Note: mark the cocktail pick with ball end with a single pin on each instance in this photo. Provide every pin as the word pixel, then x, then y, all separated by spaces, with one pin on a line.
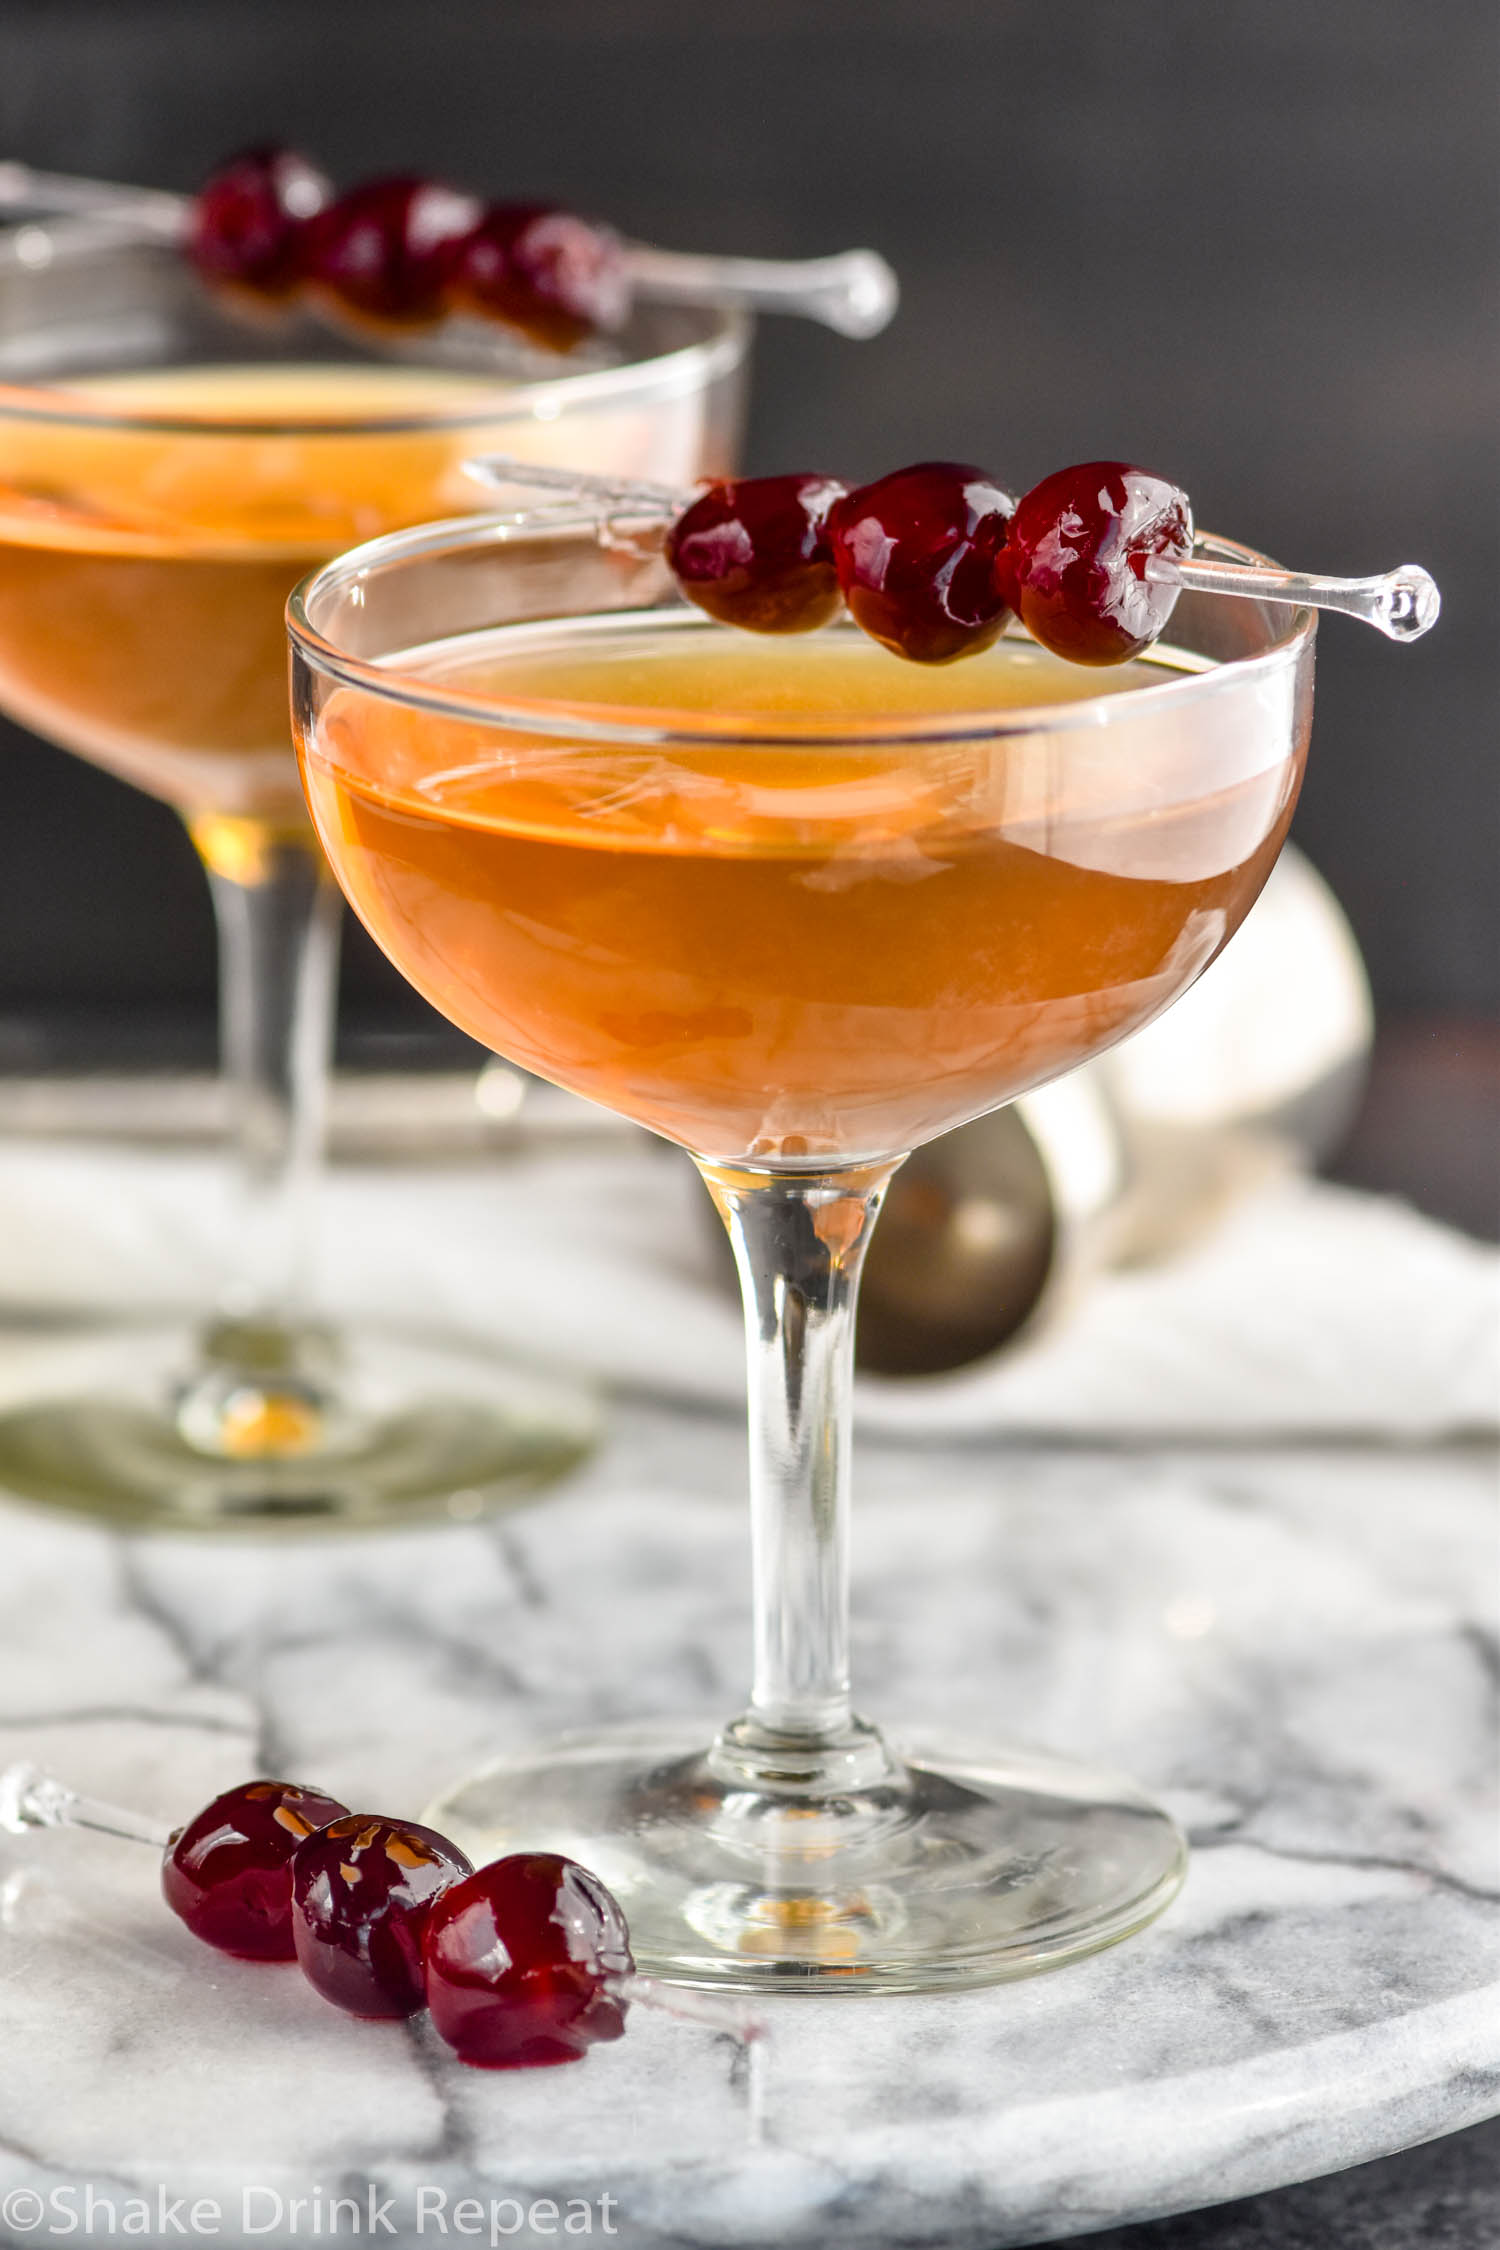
pixel 524 1961
pixel 1092 560
pixel 387 246
pixel 1403 603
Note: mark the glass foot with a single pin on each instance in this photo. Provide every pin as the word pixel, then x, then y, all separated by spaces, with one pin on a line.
pixel 273 1429
pixel 949 1867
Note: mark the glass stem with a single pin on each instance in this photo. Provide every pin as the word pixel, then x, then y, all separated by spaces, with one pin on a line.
pixel 799 1242
pixel 278 915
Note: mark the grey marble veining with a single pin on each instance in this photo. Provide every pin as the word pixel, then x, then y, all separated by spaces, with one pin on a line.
pixel 1295 1647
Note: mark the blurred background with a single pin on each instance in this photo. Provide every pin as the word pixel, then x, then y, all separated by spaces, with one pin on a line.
pixel 1252 245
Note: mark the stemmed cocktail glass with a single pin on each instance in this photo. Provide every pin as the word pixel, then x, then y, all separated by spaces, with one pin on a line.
pixel 800 907
pixel 168 469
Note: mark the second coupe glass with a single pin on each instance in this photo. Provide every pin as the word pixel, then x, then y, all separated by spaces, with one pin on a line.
pixel 167 470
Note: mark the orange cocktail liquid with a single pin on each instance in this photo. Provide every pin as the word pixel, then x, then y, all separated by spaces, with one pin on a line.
pixel 791 952
pixel 144 571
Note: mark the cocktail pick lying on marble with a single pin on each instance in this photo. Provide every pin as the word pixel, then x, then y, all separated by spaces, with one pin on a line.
pixel 933 560
pixel 30 1798
pixel 522 1962
pixel 403 250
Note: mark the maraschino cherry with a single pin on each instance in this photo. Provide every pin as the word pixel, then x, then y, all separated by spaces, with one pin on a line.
pixel 362 1890
pixel 522 1962
pixel 755 552
pixel 385 251
pixel 525 1962
pixel 932 559
pixel 915 553
pixel 228 1873
pixel 248 220
pixel 554 276
pixel 1076 566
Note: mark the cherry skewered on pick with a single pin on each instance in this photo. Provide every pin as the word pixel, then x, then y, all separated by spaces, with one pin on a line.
pixel 405 251
pixel 932 560
pixel 248 222
pixel 755 552
pixel 362 1891
pixel 227 1873
pixel 526 1962
pixel 519 1963
pixel 556 277
pixel 915 553
pixel 386 250
pixel 523 1959
pixel 1077 564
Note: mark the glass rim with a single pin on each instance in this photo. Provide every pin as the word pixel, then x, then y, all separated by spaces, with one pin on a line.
pixel 582 720
pixel 680 367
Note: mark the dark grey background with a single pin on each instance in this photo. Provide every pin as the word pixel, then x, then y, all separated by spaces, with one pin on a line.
pixel 1251 243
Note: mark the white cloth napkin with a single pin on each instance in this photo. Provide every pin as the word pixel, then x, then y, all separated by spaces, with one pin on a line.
pixel 1312 1309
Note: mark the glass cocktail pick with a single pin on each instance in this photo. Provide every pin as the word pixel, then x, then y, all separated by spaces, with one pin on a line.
pixel 32 1798
pixel 853 292
pixel 1403 603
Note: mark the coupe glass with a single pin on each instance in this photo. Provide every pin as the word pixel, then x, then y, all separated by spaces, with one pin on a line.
pixel 168 469
pixel 800 908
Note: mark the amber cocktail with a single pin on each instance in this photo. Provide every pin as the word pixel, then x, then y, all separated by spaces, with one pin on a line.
pixel 800 906
pixel 804 951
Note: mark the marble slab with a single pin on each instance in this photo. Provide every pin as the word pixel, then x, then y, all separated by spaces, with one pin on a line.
pixel 1295 1646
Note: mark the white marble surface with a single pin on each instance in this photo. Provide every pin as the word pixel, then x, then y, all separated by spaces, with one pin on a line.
pixel 1295 1646
pixel 1308 1308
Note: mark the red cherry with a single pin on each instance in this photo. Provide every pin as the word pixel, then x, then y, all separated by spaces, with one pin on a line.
pixel 228 1873
pixel 1077 557
pixel 249 219
pixel 362 1889
pixel 916 555
pixel 555 276
pixel 519 1962
pixel 755 552
pixel 384 250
